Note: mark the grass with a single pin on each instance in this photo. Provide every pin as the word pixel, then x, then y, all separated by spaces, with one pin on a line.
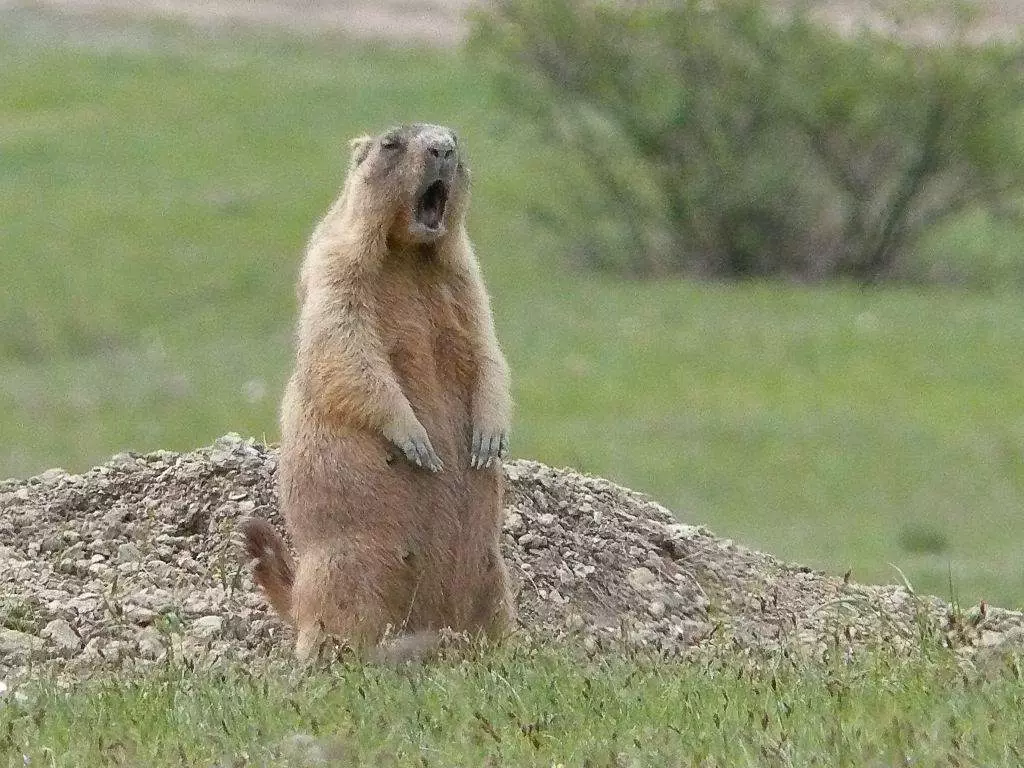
pixel 533 707
pixel 156 188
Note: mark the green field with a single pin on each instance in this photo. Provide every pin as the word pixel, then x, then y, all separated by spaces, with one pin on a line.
pixel 539 708
pixel 156 189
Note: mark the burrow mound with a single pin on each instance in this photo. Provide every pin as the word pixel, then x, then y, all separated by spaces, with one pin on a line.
pixel 136 562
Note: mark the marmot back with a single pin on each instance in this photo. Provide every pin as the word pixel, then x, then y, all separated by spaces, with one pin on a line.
pixel 397 414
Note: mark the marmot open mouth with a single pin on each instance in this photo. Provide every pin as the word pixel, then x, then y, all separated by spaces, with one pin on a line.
pixel 430 207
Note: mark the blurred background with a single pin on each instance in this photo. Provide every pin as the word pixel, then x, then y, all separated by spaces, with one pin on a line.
pixel 761 260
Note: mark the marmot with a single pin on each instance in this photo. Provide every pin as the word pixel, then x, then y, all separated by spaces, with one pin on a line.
pixel 397 414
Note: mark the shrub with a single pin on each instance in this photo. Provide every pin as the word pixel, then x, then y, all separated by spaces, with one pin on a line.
pixel 729 139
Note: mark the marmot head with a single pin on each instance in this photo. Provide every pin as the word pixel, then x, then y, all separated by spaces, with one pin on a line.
pixel 413 179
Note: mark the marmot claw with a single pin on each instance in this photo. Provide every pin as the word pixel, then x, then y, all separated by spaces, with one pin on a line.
pixel 487 447
pixel 421 453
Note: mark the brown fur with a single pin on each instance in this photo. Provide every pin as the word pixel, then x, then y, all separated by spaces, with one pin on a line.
pixel 398 372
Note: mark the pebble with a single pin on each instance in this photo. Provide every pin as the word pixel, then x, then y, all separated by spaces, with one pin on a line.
pixel 531 540
pixel 51 476
pixel 152 645
pixel 207 627
pixel 18 645
pixel 641 578
pixel 140 615
pixel 92 649
pixel 51 544
pixel 514 523
pixel 547 520
pixel 128 553
pixel 63 637
pixel 990 639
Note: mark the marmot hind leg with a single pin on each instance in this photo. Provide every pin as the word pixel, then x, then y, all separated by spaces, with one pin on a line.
pixel 493 613
pixel 354 597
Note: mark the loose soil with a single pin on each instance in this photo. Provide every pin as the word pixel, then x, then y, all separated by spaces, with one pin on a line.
pixel 137 563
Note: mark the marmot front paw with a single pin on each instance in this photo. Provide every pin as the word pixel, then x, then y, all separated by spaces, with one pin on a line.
pixel 488 444
pixel 417 448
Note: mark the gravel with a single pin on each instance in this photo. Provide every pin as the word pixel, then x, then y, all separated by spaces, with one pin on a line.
pixel 136 563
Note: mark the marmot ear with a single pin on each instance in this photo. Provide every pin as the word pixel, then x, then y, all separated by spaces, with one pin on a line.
pixel 360 149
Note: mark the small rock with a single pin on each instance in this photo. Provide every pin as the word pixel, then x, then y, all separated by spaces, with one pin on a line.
pixel 140 615
pixel 115 517
pixel 691 632
pixel 51 476
pixel 76 551
pixel 19 645
pixel 681 531
pixel 641 578
pixel 158 569
pixel 1014 636
pixel 113 650
pixel 151 645
pixel 514 522
pixel 51 544
pixel 93 649
pixel 991 639
pixel 100 570
pixel 229 441
pixel 129 553
pixel 207 627
pixel 123 459
pixel 582 570
pixel 159 600
pixel 656 608
pixel 63 637
pixel 530 540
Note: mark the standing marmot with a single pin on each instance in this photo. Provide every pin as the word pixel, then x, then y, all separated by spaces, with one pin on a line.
pixel 397 414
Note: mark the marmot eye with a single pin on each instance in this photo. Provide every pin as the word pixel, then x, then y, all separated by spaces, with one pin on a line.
pixel 391 144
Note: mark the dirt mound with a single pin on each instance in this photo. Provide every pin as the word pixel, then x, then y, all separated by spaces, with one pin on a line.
pixel 135 562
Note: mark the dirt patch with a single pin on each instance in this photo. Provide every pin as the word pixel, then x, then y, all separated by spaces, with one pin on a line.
pixel 135 563
pixel 431 22
pixel 440 22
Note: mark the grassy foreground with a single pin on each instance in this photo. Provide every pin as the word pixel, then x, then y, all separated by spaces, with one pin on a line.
pixel 156 188
pixel 523 707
